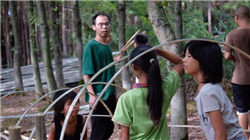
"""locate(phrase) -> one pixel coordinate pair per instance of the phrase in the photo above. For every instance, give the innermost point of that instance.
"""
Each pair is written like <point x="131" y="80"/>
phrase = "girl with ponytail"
<point x="141" y="112"/>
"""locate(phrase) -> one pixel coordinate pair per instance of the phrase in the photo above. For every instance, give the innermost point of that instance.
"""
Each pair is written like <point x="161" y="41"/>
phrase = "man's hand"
<point x="117" y="57"/>
<point x="92" y="99"/>
<point x="228" y="56"/>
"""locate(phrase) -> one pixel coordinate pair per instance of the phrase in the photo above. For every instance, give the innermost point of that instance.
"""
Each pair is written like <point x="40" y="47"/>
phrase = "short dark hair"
<point x="59" y="106"/>
<point x="99" y="14"/>
<point x="243" y="12"/>
<point x="141" y="39"/>
<point x="209" y="56"/>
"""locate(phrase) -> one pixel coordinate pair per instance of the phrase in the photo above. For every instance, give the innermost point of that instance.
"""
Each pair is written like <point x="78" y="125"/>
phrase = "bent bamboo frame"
<point x="118" y="72"/>
<point x="128" y="63"/>
<point x="81" y="91"/>
<point x="50" y="106"/>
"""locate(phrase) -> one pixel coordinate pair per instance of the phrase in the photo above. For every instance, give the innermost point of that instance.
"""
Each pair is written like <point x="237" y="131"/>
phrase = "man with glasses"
<point x="97" y="54"/>
<point x="240" y="38"/>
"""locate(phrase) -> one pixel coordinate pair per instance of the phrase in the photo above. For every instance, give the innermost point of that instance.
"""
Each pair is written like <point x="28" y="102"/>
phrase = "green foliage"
<point x="9" y="122"/>
<point x="228" y="68"/>
<point x="230" y="96"/>
<point x="42" y="109"/>
<point x="81" y="82"/>
<point x="194" y="25"/>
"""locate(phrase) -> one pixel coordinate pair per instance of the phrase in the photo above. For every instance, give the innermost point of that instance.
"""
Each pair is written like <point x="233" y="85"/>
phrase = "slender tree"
<point x="121" y="28"/>
<point x="6" y="32"/>
<point x="46" y="46"/>
<point x="209" y="16"/>
<point x="69" y="37"/>
<point x="1" y="64"/>
<point x="164" y="33"/>
<point x="77" y="26"/>
<point x="24" y="32"/>
<point x="64" y="29"/>
<point x="18" y="45"/>
<point x="54" y="36"/>
<point x="178" y="103"/>
<point x="34" y="49"/>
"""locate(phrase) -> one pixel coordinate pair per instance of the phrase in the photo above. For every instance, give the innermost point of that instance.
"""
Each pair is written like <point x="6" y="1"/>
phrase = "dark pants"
<point x="241" y="95"/>
<point x="102" y="127"/>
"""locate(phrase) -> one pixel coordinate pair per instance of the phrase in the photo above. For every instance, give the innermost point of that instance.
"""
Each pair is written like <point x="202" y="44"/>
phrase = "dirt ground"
<point x="16" y="105"/>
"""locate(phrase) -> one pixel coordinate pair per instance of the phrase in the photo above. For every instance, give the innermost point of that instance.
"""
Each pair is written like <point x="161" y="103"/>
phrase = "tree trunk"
<point x="164" y="33"/>
<point x="64" y="30"/>
<point x="69" y="39"/>
<point x="18" y="45"/>
<point x="6" y="31"/>
<point x="53" y="17"/>
<point x="178" y="103"/>
<point x="121" y="28"/>
<point x="26" y="34"/>
<point x="209" y="16"/>
<point x="77" y="26"/>
<point x="24" y="31"/>
<point x="1" y="59"/>
<point x="45" y="46"/>
<point x="33" y="49"/>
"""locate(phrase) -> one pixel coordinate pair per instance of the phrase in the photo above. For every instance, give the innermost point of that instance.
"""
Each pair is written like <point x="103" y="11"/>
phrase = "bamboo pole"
<point x="129" y="63"/>
<point x="129" y="42"/>
<point x="81" y="92"/>
<point x="131" y="39"/>
<point x="50" y="106"/>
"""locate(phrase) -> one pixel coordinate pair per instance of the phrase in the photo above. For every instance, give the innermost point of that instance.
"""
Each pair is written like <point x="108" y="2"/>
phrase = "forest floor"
<point x="16" y="105"/>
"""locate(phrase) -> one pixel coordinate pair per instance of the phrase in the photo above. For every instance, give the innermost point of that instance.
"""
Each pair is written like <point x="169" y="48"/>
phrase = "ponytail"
<point x="150" y="65"/>
<point x="155" y="93"/>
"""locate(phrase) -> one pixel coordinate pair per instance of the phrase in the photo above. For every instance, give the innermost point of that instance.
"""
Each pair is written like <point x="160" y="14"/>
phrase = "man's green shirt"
<point x="95" y="57"/>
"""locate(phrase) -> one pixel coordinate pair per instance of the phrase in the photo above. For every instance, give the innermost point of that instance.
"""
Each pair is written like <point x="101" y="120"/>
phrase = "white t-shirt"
<point x="211" y="98"/>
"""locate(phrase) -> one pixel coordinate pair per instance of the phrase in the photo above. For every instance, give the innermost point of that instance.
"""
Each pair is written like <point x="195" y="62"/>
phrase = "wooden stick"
<point x="129" y="43"/>
<point x="15" y="132"/>
<point x="131" y="39"/>
<point x="132" y="42"/>
<point x="40" y="127"/>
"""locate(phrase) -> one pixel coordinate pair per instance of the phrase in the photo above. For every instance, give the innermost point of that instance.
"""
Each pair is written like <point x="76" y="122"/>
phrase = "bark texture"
<point x="121" y="28"/>
<point x="34" y="49"/>
<point x="46" y="47"/>
<point x="164" y="33"/>
<point x="18" y="45"/>
<point x="54" y="36"/>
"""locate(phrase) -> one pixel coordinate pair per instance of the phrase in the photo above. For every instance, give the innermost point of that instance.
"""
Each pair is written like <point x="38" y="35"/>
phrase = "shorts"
<point x="241" y="94"/>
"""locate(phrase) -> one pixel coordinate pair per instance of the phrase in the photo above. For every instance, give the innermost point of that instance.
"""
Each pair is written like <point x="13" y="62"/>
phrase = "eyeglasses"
<point x="102" y="24"/>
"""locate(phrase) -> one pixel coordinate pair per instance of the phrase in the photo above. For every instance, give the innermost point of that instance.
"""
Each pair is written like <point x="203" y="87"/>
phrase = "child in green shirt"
<point x="141" y="112"/>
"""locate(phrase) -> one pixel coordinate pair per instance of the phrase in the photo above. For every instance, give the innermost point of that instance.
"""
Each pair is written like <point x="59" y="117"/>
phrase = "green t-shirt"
<point x="132" y="111"/>
<point x="95" y="57"/>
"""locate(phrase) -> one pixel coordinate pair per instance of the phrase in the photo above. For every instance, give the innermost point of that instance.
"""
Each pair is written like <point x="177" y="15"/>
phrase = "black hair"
<point x="209" y="56"/>
<point x="99" y="14"/>
<point x="59" y="106"/>
<point x="140" y="39"/>
<point x="150" y="65"/>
